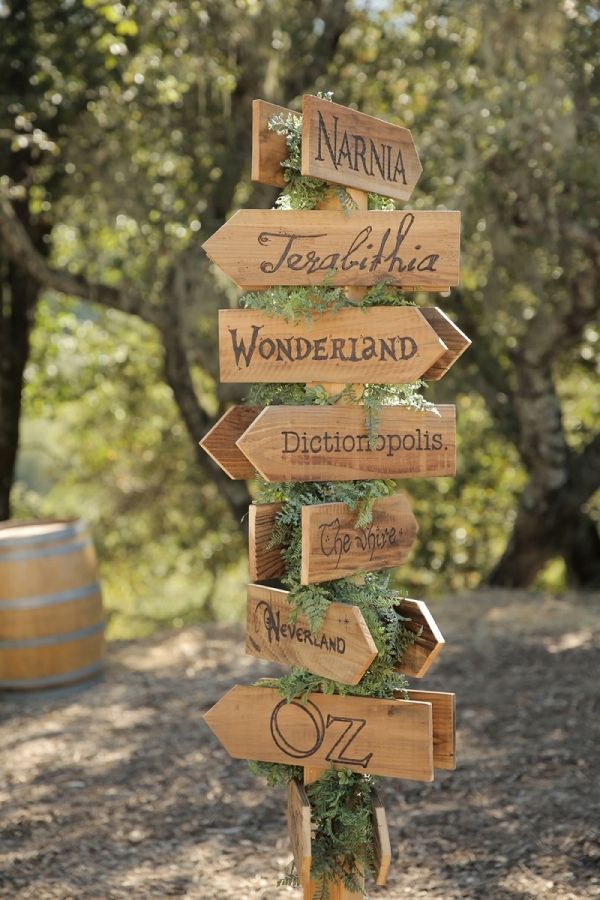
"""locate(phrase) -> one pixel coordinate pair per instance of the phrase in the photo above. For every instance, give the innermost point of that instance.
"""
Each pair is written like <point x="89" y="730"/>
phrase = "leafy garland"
<point x="341" y="801"/>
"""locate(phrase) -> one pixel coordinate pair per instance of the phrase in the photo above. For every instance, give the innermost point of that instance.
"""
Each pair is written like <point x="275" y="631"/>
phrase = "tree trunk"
<point x="18" y="299"/>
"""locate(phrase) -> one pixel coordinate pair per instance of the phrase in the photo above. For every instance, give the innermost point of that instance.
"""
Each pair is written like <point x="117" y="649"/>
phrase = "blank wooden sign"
<point x="350" y="148"/>
<point x="220" y="441"/>
<point x="342" y="649"/>
<point x="298" y="820"/>
<point x="326" y="443"/>
<point x="444" y="726"/>
<point x="269" y="149"/>
<point x="409" y="248"/>
<point x="377" y="737"/>
<point x="429" y="641"/>
<point x="379" y="345"/>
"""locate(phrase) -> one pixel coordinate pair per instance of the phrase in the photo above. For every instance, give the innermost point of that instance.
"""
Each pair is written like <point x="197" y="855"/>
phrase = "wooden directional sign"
<point x="444" y="727"/>
<point x="269" y="149"/>
<point x="381" y="841"/>
<point x="409" y="248"/>
<point x="419" y="656"/>
<point x="298" y="820"/>
<point x="265" y="561"/>
<point x="342" y="649"/>
<point x="317" y="443"/>
<point x="456" y="341"/>
<point x="379" y="345"/>
<point x="377" y="737"/>
<point x="350" y="148"/>
<point x="220" y="444"/>
<point x="334" y="547"/>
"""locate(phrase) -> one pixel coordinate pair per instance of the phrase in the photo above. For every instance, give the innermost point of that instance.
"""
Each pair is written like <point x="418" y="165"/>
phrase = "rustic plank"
<point x="333" y="547"/>
<point x="264" y="561"/>
<point x="348" y="147"/>
<point x="378" y="345"/>
<point x="443" y="712"/>
<point x="342" y="649"/>
<point x="298" y="821"/>
<point x="269" y="149"/>
<point x="381" y="841"/>
<point x="408" y="248"/>
<point x="378" y="737"/>
<point x="220" y="441"/>
<point x="312" y="443"/>
<point x="456" y="341"/>
<point x="420" y="655"/>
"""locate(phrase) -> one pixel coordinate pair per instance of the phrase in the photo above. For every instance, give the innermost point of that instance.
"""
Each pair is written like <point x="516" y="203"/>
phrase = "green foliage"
<point x="343" y="839"/>
<point x="275" y="774"/>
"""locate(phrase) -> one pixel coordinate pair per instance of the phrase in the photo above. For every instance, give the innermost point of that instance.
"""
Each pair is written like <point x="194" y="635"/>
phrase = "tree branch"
<point x="20" y="249"/>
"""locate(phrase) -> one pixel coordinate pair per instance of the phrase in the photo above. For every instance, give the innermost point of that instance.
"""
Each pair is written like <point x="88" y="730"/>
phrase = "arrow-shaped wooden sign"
<point x="377" y="737"/>
<point x="332" y="544"/>
<point x="323" y="443"/>
<point x="350" y="148"/>
<point x="220" y="441"/>
<point x="443" y="713"/>
<point x="339" y="145"/>
<point x="381" y="345"/>
<point x="417" y="658"/>
<point x="342" y="649"/>
<point x="334" y="547"/>
<point x="408" y="248"/>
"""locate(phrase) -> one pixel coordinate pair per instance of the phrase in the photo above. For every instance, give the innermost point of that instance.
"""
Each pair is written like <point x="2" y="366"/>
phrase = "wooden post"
<point x="332" y="201"/>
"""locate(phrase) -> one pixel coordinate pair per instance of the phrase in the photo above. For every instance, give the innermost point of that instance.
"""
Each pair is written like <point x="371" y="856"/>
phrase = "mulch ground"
<point x="120" y="791"/>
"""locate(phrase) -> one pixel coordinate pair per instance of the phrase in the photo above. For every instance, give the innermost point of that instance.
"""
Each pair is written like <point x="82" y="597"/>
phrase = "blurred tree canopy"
<point x="125" y="142"/>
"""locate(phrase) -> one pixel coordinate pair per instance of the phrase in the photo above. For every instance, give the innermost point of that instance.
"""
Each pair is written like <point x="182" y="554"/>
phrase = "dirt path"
<point x="119" y="791"/>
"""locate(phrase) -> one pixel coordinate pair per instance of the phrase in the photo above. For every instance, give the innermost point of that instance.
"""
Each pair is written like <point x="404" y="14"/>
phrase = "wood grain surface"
<point x="327" y="443"/>
<point x="407" y="248"/>
<point x="334" y="547"/>
<point x="269" y="149"/>
<point x="298" y="822"/>
<point x="381" y="345"/>
<point x="420" y="655"/>
<point x="220" y="441"/>
<point x="353" y="149"/>
<point x="342" y="649"/>
<point x="378" y="737"/>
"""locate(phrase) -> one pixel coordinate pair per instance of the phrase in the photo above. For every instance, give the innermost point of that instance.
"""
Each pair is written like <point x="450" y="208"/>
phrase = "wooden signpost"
<point x="396" y="345"/>
<point x="377" y="737"/>
<point x="410" y="249"/>
<point x="342" y="649"/>
<point x="319" y="443"/>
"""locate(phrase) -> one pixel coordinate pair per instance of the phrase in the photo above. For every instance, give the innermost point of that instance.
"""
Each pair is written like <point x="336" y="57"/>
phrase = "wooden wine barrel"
<point x="51" y="615"/>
